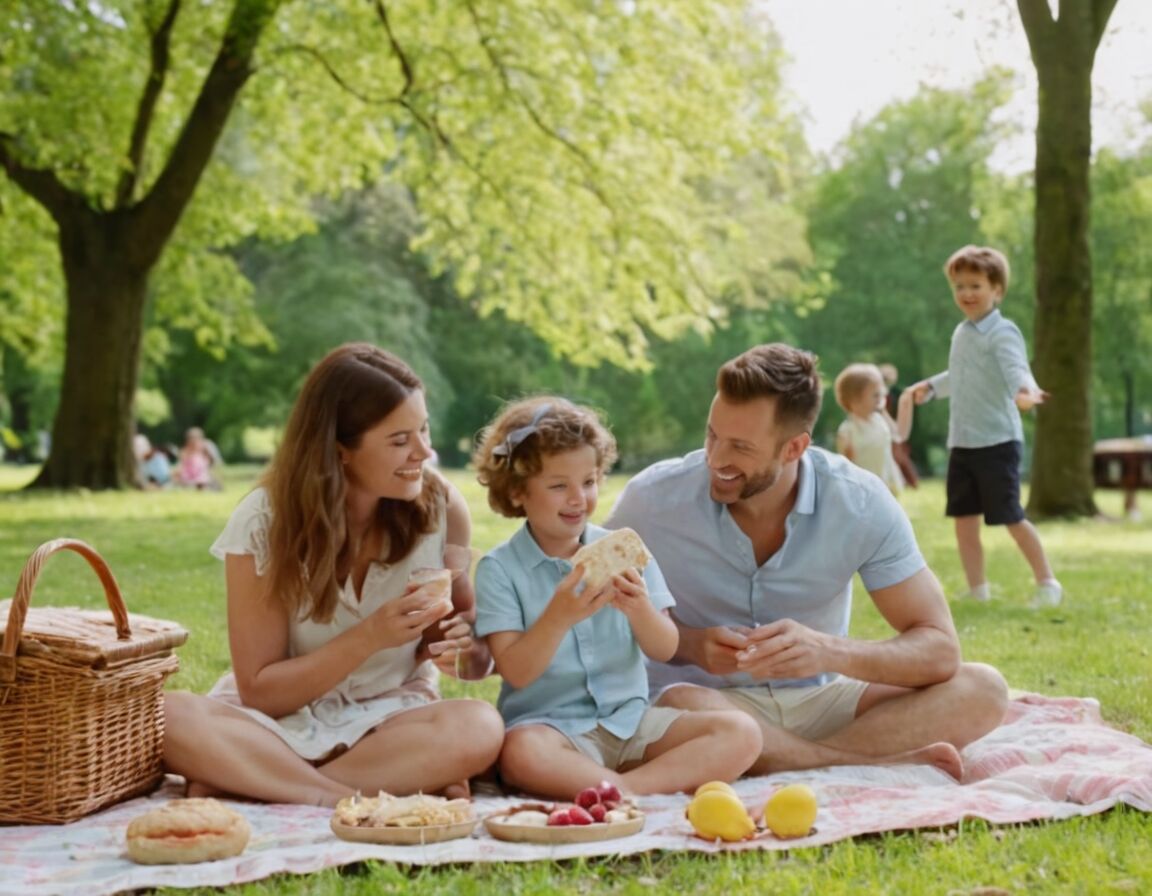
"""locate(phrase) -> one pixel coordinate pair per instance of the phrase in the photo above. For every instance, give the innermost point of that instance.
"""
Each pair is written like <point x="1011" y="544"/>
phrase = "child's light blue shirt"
<point x="597" y="675"/>
<point x="987" y="366"/>
<point x="844" y="521"/>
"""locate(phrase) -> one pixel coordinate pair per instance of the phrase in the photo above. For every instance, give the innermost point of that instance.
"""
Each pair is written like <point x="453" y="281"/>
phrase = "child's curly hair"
<point x="512" y="448"/>
<point x="853" y="380"/>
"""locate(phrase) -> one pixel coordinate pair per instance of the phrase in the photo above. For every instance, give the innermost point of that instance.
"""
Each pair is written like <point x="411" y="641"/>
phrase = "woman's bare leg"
<point x="430" y="749"/>
<point x="219" y="749"/>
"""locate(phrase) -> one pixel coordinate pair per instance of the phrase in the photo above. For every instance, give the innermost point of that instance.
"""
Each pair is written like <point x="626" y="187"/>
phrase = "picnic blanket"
<point x="1053" y="758"/>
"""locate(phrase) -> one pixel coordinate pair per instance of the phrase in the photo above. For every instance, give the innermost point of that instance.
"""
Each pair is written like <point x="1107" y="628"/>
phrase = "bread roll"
<point x="185" y="831"/>
<point x="615" y="553"/>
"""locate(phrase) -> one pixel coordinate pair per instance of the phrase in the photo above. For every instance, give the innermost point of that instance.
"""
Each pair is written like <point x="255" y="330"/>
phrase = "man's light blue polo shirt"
<point x="597" y="675"/>
<point x="987" y="366"/>
<point x="845" y="521"/>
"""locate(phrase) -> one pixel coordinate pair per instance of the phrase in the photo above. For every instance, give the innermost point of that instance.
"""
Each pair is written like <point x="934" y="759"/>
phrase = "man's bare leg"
<point x="893" y="725"/>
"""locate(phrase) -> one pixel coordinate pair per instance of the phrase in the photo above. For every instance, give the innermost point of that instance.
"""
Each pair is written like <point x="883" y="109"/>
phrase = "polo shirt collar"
<point x="528" y="552"/>
<point x="988" y="321"/>
<point x="806" y="490"/>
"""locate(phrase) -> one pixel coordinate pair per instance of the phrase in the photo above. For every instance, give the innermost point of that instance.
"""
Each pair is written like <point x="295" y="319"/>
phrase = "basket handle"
<point x="31" y="571"/>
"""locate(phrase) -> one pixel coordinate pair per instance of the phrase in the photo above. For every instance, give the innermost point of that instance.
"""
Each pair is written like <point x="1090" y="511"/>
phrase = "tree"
<point x="555" y="150"/>
<point x="1063" y="51"/>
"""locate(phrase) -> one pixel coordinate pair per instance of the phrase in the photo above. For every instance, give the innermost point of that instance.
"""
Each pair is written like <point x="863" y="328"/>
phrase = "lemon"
<point x="718" y="814"/>
<point x="723" y="786"/>
<point x="790" y="811"/>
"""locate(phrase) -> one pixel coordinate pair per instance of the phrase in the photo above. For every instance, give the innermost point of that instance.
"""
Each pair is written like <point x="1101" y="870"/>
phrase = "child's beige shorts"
<point x="812" y="712"/>
<point x="604" y="747"/>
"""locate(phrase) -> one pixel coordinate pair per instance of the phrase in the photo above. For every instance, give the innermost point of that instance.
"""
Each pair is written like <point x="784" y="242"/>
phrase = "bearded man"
<point x="759" y="536"/>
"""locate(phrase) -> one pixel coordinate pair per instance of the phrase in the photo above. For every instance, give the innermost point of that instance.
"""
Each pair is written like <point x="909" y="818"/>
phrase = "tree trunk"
<point x="1062" y="460"/>
<point x="92" y="434"/>
<point x="1063" y="50"/>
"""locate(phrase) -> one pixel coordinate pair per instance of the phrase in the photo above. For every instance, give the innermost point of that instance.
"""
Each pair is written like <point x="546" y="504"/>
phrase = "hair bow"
<point x="516" y="437"/>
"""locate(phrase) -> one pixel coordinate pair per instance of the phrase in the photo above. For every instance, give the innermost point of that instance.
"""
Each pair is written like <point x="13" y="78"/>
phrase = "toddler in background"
<point x="575" y="690"/>
<point x="868" y="432"/>
<point x="989" y="382"/>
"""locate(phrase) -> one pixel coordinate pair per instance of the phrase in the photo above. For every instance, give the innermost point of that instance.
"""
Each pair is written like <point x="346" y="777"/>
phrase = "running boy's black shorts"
<point x="987" y="481"/>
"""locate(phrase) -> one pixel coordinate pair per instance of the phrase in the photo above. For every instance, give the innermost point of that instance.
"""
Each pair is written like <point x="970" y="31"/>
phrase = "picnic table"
<point x="1124" y="464"/>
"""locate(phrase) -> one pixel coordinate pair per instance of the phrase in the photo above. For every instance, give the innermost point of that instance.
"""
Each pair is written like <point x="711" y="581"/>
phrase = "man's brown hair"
<point x="778" y="371"/>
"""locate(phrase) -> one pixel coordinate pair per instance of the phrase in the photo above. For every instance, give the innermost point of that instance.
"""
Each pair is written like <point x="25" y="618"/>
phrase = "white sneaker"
<point x="1048" y="593"/>
<point x="981" y="593"/>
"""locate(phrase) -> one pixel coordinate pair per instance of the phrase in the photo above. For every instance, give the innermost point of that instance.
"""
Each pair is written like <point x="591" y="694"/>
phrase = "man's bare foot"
<point x="942" y="755"/>
<point x="458" y="791"/>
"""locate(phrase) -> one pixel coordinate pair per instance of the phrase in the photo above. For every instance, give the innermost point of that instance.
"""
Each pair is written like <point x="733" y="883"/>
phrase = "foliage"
<point x="1122" y="312"/>
<point x="911" y="186"/>
<point x="156" y="544"/>
<point x="554" y="149"/>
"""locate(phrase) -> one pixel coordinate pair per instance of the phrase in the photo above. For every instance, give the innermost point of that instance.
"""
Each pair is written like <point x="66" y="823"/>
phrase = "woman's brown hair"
<point x="347" y="393"/>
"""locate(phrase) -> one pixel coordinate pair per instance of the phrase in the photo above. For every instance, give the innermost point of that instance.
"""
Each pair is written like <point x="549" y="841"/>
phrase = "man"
<point x="759" y="536"/>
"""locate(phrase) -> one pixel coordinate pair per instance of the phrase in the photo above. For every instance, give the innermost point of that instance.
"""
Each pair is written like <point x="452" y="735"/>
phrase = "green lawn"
<point x="1097" y="645"/>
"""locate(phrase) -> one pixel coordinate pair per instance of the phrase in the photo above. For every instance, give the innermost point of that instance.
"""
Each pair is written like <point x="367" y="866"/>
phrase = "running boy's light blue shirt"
<point x="845" y="521"/>
<point x="987" y="366"/>
<point x="597" y="675"/>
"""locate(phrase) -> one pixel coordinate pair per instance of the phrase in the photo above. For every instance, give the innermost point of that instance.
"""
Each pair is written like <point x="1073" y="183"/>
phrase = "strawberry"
<point x="560" y="817"/>
<point x="597" y="811"/>
<point x="587" y="797"/>
<point x="579" y="815"/>
<point x="608" y="791"/>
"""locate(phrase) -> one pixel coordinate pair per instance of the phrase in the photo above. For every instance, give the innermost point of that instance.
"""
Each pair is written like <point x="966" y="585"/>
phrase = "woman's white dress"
<point x="388" y="682"/>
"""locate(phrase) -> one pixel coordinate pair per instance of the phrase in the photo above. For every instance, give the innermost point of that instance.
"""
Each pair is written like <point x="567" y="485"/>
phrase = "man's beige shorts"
<point x="604" y="747"/>
<point x="811" y="712"/>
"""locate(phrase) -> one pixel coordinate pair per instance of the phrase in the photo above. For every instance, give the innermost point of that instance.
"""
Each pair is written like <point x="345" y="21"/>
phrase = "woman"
<point x="331" y="689"/>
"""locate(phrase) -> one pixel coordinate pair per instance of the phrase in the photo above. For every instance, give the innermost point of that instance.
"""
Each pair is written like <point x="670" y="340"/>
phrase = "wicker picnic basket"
<point x="81" y="712"/>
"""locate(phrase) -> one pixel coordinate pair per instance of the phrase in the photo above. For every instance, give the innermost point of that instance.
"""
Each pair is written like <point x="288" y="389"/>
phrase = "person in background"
<point x="333" y="687"/>
<point x="194" y="466"/>
<point x="868" y="434"/>
<point x="901" y="451"/>
<point x="989" y="382"/>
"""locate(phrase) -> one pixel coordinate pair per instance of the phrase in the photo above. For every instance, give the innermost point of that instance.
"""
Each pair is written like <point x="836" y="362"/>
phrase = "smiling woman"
<point x="333" y="687"/>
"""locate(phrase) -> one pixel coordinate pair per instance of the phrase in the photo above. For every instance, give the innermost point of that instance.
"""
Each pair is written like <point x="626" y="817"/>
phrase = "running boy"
<point x="989" y="382"/>
<point x="575" y="689"/>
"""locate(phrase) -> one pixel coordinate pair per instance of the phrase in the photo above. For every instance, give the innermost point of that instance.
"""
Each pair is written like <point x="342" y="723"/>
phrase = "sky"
<point x="849" y="58"/>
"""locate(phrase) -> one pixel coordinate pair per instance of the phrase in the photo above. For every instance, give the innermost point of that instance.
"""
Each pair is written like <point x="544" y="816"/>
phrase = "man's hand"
<point x="784" y="649"/>
<point x="713" y="649"/>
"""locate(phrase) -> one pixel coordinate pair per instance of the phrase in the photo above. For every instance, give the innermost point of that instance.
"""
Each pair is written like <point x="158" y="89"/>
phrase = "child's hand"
<point x="630" y="593"/>
<point x="907" y="398"/>
<point x="1027" y="398"/>
<point x="570" y="604"/>
<point x="921" y="392"/>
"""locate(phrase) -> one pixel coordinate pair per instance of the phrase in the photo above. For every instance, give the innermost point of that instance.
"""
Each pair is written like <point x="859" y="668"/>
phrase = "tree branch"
<point x="545" y="128"/>
<point x="1101" y="13"/>
<point x="1038" y="23"/>
<point x="41" y="184"/>
<point x="160" y="210"/>
<point x="405" y="65"/>
<point x="158" y="71"/>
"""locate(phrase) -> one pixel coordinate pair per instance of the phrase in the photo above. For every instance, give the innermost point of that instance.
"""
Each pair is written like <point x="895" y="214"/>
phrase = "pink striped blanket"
<point x="1053" y="758"/>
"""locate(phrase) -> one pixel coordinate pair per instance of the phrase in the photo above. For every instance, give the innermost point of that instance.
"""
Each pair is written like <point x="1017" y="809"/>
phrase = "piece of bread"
<point x="615" y="553"/>
<point x="185" y="831"/>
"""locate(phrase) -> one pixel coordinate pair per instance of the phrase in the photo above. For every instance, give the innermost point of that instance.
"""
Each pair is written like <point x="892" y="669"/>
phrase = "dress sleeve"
<point x="246" y="531"/>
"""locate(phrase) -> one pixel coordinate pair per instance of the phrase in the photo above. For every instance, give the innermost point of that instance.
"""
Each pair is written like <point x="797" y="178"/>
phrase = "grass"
<point x="1096" y="645"/>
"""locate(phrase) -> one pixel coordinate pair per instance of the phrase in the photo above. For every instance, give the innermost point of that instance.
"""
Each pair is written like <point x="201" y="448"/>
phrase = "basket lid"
<point x="89" y="637"/>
